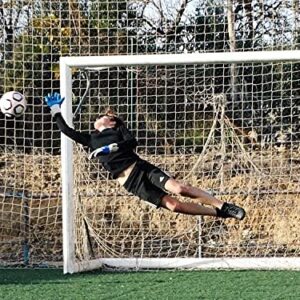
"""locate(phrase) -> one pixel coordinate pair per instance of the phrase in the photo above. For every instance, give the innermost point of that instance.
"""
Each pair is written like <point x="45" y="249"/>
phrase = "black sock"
<point x="220" y="211"/>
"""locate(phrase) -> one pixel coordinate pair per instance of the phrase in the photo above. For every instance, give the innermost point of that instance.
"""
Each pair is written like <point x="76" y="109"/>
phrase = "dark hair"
<point x="119" y="122"/>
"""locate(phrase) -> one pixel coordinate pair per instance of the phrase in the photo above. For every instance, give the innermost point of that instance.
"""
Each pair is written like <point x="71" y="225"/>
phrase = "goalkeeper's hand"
<point x="104" y="150"/>
<point x="54" y="101"/>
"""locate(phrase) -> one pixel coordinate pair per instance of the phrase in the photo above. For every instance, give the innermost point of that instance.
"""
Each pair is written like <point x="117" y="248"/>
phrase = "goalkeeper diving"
<point x="114" y="146"/>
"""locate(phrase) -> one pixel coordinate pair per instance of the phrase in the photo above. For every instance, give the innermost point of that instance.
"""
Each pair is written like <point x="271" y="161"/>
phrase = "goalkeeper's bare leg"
<point x="185" y="190"/>
<point x="223" y="209"/>
<point x="195" y="209"/>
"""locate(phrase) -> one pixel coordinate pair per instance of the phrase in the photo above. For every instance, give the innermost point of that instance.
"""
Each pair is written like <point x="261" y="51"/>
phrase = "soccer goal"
<point x="226" y="122"/>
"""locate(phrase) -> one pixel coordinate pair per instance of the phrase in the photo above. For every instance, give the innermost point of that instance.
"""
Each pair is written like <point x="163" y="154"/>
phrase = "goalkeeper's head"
<point x="107" y="120"/>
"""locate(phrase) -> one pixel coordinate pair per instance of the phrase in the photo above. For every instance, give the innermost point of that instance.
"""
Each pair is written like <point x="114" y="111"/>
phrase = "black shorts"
<point x="147" y="182"/>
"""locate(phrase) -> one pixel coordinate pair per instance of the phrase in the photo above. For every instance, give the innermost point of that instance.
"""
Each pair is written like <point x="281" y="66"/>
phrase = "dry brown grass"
<point x="122" y="225"/>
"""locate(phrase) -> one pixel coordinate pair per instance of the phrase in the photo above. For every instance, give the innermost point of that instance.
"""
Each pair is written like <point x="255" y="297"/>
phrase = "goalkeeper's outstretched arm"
<point x="79" y="137"/>
<point x="54" y="101"/>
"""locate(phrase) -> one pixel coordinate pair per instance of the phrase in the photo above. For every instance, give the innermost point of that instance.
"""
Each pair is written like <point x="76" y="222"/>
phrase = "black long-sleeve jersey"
<point x="115" y="162"/>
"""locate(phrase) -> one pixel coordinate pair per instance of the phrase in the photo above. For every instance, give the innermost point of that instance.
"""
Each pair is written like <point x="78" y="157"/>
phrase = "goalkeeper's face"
<point x="105" y="122"/>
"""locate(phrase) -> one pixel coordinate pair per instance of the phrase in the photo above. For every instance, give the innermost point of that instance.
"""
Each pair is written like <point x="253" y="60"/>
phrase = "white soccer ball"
<point x="13" y="104"/>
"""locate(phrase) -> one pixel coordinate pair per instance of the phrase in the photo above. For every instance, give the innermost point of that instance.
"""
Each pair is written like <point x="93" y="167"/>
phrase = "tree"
<point x="241" y="25"/>
<point x="51" y="30"/>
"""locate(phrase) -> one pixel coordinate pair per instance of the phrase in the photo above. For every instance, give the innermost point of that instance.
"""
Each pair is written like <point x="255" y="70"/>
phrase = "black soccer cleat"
<point x="229" y="210"/>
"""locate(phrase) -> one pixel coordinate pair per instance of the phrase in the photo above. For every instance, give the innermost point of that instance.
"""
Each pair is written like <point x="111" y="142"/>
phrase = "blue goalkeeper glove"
<point x="104" y="150"/>
<point x="54" y="101"/>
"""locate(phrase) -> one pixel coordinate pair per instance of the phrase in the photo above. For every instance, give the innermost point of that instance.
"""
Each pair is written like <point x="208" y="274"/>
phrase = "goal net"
<point x="225" y="122"/>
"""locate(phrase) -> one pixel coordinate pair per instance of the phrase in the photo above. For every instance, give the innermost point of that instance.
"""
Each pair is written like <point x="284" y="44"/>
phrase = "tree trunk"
<point x="232" y="47"/>
<point x="296" y="7"/>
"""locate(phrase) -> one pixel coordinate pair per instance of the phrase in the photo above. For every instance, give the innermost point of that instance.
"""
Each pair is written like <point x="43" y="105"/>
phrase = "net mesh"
<point x="247" y="154"/>
<point x="241" y="147"/>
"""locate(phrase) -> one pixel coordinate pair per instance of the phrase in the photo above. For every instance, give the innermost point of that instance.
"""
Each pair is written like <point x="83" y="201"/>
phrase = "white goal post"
<point x="272" y="259"/>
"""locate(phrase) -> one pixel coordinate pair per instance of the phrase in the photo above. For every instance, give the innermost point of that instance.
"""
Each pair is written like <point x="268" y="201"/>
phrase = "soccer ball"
<point x="13" y="104"/>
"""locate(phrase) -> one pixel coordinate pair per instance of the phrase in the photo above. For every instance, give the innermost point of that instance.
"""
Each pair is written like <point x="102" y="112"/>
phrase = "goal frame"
<point x="66" y="64"/>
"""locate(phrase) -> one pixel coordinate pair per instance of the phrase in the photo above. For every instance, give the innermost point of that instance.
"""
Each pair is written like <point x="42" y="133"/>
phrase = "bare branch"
<point x="180" y="12"/>
<point x="160" y="10"/>
<point x="157" y="29"/>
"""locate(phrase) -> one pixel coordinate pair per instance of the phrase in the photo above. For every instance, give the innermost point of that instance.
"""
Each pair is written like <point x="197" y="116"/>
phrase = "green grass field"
<point x="52" y="284"/>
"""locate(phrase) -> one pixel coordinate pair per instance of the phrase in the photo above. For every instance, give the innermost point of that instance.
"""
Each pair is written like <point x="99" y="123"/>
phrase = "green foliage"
<point x="193" y="137"/>
<point x="32" y="55"/>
